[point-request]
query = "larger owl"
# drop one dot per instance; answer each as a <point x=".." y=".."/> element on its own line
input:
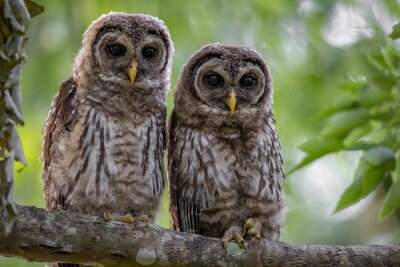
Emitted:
<point x="224" y="156"/>
<point x="104" y="136"/>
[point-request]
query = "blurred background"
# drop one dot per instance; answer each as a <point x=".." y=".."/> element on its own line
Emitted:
<point x="312" y="48"/>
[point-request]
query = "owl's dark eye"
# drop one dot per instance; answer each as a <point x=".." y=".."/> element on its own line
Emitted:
<point x="247" y="81"/>
<point x="149" y="52"/>
<point x="214" y="80"/>
<point x="116" y="50"/>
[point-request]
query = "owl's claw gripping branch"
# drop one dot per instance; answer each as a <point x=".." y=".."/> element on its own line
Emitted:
<point x="128" y="218"/>
<point x="233" y="233"/>
<point x="252" y="227"/>
<point x="146" y="218"/>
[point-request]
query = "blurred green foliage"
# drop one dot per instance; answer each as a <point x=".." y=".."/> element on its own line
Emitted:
<point x="368" y="119"/>
<point x="312" y="47"/>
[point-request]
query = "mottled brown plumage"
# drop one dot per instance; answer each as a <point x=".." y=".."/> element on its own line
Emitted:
<point x="224" y="156"/>
<point x="105" y="133"/>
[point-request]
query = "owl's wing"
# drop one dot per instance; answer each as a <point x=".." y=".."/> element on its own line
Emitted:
<point x="272" y="149"/>
<point x="184" y="209"/>
<point x="173" y="206"/>
<point x="161" y="141"/>
<point x="61" y="118"/>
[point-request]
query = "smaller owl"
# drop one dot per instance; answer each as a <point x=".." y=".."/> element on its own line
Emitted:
<point x="224" y="156"/>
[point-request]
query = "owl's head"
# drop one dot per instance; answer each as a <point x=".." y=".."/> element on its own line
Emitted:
<point x="231" y="82"/>
<point x="128" y="49"/>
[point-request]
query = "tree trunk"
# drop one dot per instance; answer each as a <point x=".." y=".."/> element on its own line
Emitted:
<point x="14" y="18"/>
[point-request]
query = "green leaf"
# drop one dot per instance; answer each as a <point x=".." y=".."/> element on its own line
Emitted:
<point x="351" y="195"/>
<point x="321" y="146"/>
<point x="396" y="32"/>
<point x="391" y="59"/>
<point x="371" y="179"/>
<point x="315" y="150"/>
<point x="370" y="96"/>
<point x="382" y="81"/>
<point x="339" y="106"/>
<point x="361" y="145"/>
<point x="396" y="173"/>
<point x="33" y="8"/>
<point x="356" y="134"/>
<point x="366" y="180"/>
<point x="352" y="86"/>
<point x="379" y="156"/>
<point x="307" y="160"/>
<point x="374" y="165"/>
<point x="391" y="203"/>
<point x="378" y="61"/>
<point x="340" y="124"/>
<point x="395" y="119"/>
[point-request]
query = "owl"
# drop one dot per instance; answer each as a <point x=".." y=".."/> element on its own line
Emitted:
<point x="104" y="137"/>
<point x="224" y="158"/>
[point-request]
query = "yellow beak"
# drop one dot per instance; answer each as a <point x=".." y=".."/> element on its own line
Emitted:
<point x="231" y="101"/>
<point x="132" y="71"/>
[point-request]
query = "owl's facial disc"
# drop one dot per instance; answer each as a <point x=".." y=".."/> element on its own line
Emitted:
<point x="229" y="87"/>
<point x="134" y="59"/>
<point x="115" y="56"/>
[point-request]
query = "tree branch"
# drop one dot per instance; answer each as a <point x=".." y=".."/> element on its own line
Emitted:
<point x="40" y="235"/>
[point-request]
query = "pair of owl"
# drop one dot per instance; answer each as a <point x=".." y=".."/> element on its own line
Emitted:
<point x="105" y="134"/>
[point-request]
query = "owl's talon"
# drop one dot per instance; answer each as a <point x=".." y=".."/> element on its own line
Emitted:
<point x="252" y="227"/>
<point x="233" y="234"/>
<point x="108" y="217"/>
<point x="146" y="218"/>
<point x="240" y="242"/>
<point x="128" y="218"/>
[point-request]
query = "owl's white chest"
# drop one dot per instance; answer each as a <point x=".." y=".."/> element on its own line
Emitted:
<point x="208" y="166"/>
<point x="110" y="156"/>
<point x="216" y="170"/>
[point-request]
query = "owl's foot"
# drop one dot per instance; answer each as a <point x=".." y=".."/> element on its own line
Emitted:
<point x="233" y="233"/>
<point x="252" y="227"/>
<point x="146" y="218"/>
<point x="128" y="218"/>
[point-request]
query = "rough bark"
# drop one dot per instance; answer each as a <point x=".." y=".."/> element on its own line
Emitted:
<point x="14" y="19"/>
<point x="40" y="235"/>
